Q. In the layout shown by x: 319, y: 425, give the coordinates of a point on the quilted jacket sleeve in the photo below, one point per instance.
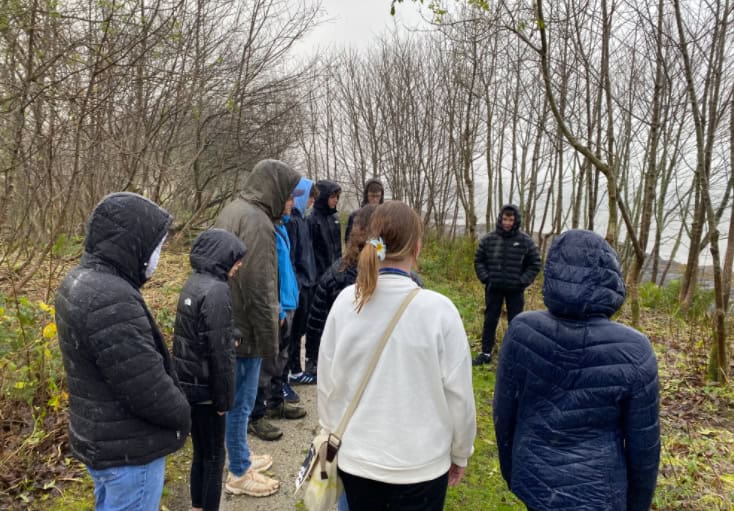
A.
x: 131, y: 362
x: 480, y: 261
x: 505, y: 405
x: 531, y: 264
x: 641, y: 429
x: 324, y: 296
x: 216, y: 312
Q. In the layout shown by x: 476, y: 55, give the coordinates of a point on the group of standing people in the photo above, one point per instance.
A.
x: 574, y: 389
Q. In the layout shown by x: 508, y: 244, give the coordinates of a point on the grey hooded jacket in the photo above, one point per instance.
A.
x: 252, y: 217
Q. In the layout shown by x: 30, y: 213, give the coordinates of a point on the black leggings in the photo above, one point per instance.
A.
x: 368, y: 495
x: 207, y: 435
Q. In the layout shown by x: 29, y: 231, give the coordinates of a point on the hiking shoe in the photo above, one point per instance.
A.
x: 251, y: 483
x: 302, y: 379
x: 290, y: 395
x: 310, y: 366
x: 481, y: 359
x: 260, y: 462
x: 286, y: 411
x: 264, y: 430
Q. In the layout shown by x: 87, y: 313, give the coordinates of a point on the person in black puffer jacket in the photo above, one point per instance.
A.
x: 203, y: 351
x: 341, y: 273
x: 126, y: 409
x: 506, y: 262
x: 325, y: 228
x: 576, y: 398
x: 374, y: 193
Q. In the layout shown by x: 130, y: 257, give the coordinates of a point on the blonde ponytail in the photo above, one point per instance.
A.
x: 397, y: 229
x: 367, y: 273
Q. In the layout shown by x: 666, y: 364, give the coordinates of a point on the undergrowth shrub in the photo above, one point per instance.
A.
x: 665, y: 299
x: 33, y: 432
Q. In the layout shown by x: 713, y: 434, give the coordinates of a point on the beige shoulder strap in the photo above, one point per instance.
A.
x: 373, y: 362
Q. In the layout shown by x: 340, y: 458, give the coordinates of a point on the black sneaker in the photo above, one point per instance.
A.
x: 285, y: 411
x: 264, y: 430
x: 481, y: 359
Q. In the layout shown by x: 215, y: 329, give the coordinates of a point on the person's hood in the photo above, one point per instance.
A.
x: 215, y: 251
x: 123, y: 231
x: 515, y: 226
x: 301, y: 202
x: 269, y: 185
x: 367, y: 185
x: 326, y: 188
x: 582, y: 276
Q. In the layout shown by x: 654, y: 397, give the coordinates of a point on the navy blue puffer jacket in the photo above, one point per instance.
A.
x: 576, y: 397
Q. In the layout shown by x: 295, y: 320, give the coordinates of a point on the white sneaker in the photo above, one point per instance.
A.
x: 260, y: 462
x: 251, y: 483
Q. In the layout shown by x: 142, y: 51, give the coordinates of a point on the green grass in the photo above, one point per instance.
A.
x: 697, y: 419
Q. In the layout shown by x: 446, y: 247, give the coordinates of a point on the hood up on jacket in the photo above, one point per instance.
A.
x: 326, y: 188
x: 269, y: 185
x: 123, y: 231
x: 515, y: 226
x: 582, y: 277
x: 215, y: 251
x: 374, y: 180
x: 301, y: 201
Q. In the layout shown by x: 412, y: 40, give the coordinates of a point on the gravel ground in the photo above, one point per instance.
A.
x: 287, y: 453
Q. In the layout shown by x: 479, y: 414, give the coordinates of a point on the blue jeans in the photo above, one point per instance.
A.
x: 129, y: 488
x: 248, y: 373
x: 342, y: 504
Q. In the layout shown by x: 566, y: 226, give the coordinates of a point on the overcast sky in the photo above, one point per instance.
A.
x: 355, y: 22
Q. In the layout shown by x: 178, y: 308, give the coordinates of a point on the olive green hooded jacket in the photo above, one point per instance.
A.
x: 252, y: 217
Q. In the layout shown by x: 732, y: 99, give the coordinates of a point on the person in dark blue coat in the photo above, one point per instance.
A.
x: 576, y: 399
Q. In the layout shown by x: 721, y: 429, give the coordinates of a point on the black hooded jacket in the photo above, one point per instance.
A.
x: 325, y: 230
x: 203, y: 339
x: 330, y: 285
x: 365, y: 201
x: 125, y: 405
x: 507, y: 260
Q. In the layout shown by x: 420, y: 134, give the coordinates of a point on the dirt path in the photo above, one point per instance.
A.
x: 287, y: 453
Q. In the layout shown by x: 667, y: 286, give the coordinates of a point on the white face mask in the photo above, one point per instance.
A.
x: 153, y: 262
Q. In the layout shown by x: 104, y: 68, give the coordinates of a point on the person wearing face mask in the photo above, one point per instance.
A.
x: 126, y: 408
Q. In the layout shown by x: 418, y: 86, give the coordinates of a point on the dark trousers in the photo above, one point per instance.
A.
x: 368, y: 495
x: 270, y: 386
x: 493, y: 298
x: 207, y: 436
x: 298, y: 330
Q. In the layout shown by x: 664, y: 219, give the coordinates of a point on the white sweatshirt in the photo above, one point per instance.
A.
x: 417, y: 413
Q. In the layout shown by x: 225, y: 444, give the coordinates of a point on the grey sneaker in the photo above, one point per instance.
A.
x: 264, y: 430
x: 286, y: 411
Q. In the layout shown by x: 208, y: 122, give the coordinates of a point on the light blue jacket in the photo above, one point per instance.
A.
x: 287, y: 283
